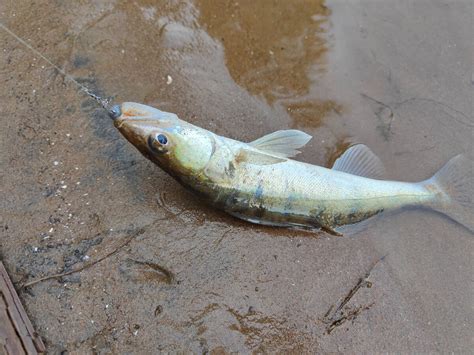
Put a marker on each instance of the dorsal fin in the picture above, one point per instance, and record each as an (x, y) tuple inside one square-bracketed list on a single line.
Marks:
[(282, 143), (360, 160)]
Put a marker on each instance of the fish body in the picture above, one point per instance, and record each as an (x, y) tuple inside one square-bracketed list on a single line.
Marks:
[(258, 181), (293, 193)]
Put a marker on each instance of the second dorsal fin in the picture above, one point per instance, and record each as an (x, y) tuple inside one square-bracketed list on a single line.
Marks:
[(282, 143), (360, 160)]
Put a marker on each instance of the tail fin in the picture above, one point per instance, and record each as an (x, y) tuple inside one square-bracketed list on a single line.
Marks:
[(455, 182)]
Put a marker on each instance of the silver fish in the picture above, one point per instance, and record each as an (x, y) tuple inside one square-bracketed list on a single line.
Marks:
[(257, 181)]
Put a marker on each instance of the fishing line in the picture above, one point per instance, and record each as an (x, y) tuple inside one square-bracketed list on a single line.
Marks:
[(104, 103)]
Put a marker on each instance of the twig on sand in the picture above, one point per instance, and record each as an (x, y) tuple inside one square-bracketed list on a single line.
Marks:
[(88, 265), (335, 318)]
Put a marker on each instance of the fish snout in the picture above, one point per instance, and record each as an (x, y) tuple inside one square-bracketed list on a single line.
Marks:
[(115, 112), (132, 113)]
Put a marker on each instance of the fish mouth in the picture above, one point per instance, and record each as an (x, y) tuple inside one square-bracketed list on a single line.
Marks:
[(115, 112)]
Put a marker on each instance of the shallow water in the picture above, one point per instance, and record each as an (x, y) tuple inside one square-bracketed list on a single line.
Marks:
[(396, 76)]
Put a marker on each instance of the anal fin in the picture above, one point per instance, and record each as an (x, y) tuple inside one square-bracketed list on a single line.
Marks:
[(331, 231)]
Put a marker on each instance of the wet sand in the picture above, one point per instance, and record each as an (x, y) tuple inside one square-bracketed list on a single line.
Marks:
[(177, 275)]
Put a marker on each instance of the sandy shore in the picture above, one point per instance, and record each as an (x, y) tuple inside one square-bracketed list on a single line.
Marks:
[(175, 275)]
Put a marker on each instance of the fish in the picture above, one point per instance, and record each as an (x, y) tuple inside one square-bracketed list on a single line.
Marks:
[(259, 183)]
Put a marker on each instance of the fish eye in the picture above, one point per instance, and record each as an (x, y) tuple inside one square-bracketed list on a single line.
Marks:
[(162, 139), (158, 142)]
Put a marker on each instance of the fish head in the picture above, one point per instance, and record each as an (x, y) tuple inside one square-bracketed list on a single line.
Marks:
[(177, 146)]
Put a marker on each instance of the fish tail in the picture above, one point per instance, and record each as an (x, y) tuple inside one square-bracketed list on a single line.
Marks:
[(453, 185)]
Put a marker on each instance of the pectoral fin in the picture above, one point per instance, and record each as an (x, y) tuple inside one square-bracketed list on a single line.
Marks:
[(256, 157), (360, 160), (282, 143)]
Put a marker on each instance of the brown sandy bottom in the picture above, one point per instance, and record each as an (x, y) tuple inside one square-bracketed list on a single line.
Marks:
[(175, 275)]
